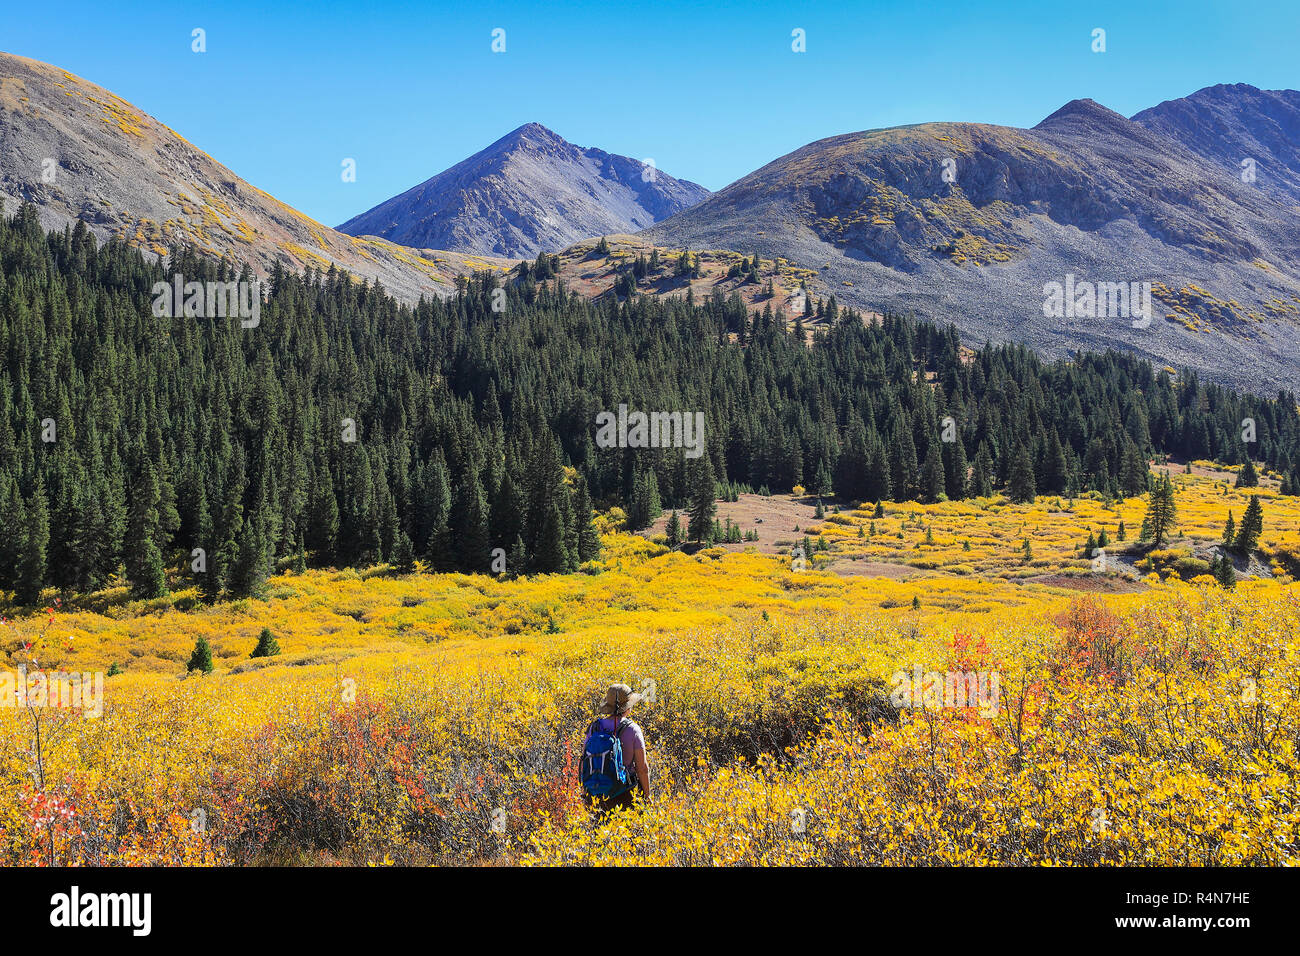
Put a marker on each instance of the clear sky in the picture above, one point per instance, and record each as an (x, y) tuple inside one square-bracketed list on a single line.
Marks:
[(710, 91)]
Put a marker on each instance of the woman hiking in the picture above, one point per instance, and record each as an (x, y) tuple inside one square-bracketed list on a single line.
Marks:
[(614, 763)]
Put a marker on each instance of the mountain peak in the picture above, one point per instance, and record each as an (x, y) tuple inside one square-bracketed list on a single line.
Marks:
[(1232, 124), (1081, 110), (530, 191), (533, 133), (534, 127), (1225, 90)]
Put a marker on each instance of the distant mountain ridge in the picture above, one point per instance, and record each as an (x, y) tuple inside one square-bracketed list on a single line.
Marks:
[(530, 191), (967, 222)]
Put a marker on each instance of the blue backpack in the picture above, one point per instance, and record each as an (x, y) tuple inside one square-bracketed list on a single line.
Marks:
[(603, 772)]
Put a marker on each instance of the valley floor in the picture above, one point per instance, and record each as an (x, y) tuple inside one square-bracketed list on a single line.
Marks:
[(437, 718)]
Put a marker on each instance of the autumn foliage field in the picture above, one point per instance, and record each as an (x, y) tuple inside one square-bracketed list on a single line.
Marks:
[(414, 719)]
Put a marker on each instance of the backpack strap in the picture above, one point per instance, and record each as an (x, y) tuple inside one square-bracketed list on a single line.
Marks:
[(623, 725)]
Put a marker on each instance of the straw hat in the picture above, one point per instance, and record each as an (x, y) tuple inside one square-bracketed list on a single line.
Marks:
[(619, 700)]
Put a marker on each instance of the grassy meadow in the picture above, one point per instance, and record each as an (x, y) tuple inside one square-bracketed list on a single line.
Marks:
[(1146, 714)]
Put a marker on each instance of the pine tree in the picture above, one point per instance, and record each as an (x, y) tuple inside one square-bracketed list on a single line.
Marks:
[(1224, 572), (78, 559), (144, 563), (227, 531), (851, 468), (403, 554), (674, 530), (588, 540), (1252, 526), (322, 525), (1248, 477), (570, 527), (982, 475), (1133, 471), (390, 527), (902, 464), (932, 476), (13, 519), (1020, 478), (249, 571), (1229, 532), (645, 506), (822, 480), (30, 580), (702, 499), (955, 469), (551, 555), (358, 542), (469, 528), (507, 513), (151, 576), (1055, 468), (437, 544), (201, 659), (517, 557), (267, 646), (875, 485), (169, 519), (683, 267), (1161, 511)]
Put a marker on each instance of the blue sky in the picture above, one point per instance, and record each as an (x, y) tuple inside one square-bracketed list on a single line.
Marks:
[(286, 91)]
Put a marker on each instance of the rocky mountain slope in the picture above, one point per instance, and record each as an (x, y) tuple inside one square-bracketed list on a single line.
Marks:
[(969, 222), (1232, 125), (77, 151), (530, 191)]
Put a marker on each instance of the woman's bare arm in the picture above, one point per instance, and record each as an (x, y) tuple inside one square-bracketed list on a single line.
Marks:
[(643, 772)]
